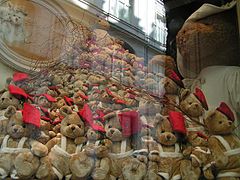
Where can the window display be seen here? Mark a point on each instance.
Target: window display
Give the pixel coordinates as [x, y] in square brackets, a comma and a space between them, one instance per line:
[90, 109]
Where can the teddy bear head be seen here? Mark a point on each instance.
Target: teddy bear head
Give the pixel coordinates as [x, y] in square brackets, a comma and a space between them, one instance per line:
[92, 134]
[122, 125]
[171, 83]
[8, 99]
[163, 132]
[220, 121]
[71, 126]
[193, 104]
[160, 63]
[16, 128]
[113, 127]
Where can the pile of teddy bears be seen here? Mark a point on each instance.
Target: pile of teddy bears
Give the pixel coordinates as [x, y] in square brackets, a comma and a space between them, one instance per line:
[107, 116]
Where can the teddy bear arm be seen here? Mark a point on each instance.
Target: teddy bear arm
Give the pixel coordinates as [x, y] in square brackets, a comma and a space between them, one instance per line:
[1, 139]
[52, 143]
[80, 140]
[217, 151]
[38, 148]
[187, 151]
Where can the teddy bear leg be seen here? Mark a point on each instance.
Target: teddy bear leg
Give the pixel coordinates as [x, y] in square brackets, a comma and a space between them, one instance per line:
[6, 163]
[134, 169]
[152, 171]
[208, 174]
[189, 172]
[228, 178]
[81, 165]
[45, 170]
[26, 165]
[101, 172]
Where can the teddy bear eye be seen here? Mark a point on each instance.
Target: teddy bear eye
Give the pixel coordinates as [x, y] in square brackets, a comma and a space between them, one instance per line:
[220, 122]
[68, 124]
[24, 126]
[109, 126]
[163, 131]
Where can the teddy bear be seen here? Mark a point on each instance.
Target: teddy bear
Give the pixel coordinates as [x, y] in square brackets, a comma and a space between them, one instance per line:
[165, 154]
[8, 99]
[66, 155]
[20, 154]
[161, 63]
[197, 157]
[148, 109]
[223, 143]
[119, 127]
[170, 87]
[193, 105]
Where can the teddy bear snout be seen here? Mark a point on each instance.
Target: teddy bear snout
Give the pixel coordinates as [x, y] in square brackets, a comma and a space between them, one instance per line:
[168, 136]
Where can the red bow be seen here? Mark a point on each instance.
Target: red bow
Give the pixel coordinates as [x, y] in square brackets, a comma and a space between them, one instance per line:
[225, 109]
[68, 100]
[130, 122]
[200, 96]
[87, 115]
[16, 91]
[31, 115]
[18, 76]
[177, 121]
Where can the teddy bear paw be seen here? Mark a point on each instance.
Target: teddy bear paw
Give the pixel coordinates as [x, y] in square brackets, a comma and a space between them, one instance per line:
[81, 165]
[99, 173]
[142, 158]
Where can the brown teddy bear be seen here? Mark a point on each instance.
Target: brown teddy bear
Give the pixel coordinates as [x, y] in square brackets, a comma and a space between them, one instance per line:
[165, 153]
[170, 88]
[120, 126]
[160, 63]
[224, 145]
[194, 106]
[8, 99]
[66, 154]
[198, 156]
[98, 148]
[19, 153]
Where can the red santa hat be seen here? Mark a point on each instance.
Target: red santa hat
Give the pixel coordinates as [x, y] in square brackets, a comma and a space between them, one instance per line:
[174, 76]
[18, 76]
[130, 122]
[177, 121]
[225, 109]
[200, 96]
[87, 115]
[68, 100]
[31, 115]
[83, 96]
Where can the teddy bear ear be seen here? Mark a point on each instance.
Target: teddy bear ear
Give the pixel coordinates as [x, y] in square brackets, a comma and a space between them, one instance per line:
[65, 110]
[184, 93]
[11, 110]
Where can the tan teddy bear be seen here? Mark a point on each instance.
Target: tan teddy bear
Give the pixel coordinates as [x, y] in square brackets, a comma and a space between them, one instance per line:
[160, 63]
[165, 154]
[119, 129]
[198, 157]
[194, 106]
[66, 154]
[224, 145]
[170, 88]
[8, 99]
[19, 153]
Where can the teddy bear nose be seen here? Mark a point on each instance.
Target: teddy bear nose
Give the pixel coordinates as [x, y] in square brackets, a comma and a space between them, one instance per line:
[15, 129]
[111, 131]
[230, 123]
[168, 137]
[73, 127]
